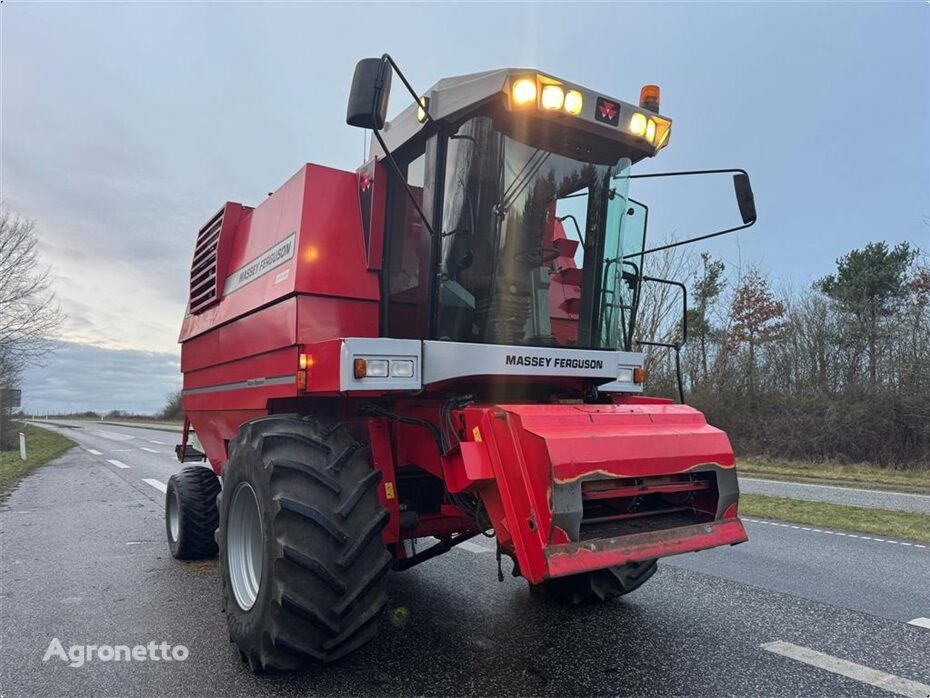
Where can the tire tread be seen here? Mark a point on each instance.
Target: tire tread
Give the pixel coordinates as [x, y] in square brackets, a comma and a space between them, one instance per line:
[327, 589]
[197, 488]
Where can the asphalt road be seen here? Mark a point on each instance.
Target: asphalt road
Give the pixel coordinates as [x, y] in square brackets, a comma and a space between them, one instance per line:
[873, 499]
[792, 612]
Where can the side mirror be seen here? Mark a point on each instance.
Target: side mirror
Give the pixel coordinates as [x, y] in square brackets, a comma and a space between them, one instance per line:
[368, 99]
[744, 197]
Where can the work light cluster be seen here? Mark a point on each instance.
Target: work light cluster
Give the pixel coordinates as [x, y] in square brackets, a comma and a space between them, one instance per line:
[551, 97]
[536, 91]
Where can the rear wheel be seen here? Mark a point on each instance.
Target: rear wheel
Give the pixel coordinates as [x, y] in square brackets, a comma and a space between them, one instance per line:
[191, 516]
[598, 585]
[301, 555]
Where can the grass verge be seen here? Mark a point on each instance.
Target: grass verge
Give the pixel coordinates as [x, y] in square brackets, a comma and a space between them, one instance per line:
[894, 524]
[858, 475]
[41, 447]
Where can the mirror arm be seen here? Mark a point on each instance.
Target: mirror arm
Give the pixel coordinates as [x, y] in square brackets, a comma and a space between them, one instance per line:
[403, 180]
[403, 79]
[387, 153]
[689, 173]
[690, 240]
[686, 173]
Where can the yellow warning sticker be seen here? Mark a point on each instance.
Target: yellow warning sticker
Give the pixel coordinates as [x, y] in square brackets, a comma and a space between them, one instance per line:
[476, 432]
[389, 490]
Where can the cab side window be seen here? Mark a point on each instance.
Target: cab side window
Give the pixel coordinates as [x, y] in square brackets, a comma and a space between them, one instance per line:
[408, 256]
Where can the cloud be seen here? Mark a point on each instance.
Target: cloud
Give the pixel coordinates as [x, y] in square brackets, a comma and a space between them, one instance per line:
[79, 377]
[126, 125]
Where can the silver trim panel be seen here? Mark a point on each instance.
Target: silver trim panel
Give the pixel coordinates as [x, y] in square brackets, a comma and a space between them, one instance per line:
[447, 360]
[379, 348]
[271, 258]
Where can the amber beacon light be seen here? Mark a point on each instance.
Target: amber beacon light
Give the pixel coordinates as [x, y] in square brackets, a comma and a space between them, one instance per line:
[649, 98]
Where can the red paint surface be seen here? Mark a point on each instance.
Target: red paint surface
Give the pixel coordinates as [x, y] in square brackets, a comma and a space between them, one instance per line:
[575, 558]
[513, 456]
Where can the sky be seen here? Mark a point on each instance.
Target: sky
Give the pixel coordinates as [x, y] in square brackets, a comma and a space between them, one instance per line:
[126, 125]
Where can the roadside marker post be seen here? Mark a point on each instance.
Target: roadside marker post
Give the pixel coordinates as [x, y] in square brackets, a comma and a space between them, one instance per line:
[22, 445]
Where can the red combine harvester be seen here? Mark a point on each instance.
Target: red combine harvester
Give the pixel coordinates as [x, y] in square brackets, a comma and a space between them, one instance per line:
[436, 346]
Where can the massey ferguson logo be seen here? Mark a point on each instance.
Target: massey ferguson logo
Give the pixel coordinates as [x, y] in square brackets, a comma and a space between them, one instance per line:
[607, 112]
[261, 265]
[553, 362]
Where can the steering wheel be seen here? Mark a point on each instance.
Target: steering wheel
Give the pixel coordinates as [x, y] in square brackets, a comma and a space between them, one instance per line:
[537, 257]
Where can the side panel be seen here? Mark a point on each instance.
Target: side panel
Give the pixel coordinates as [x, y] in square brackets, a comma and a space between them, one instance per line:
[297, 273]
[305, 238]
[320, 318]
[258, 279]
[216, 429]
[332, 259]
[244, 384]
[372, 195]
[272, 328]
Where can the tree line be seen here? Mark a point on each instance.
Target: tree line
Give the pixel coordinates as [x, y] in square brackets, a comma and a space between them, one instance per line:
[836, 370]
[29, 313]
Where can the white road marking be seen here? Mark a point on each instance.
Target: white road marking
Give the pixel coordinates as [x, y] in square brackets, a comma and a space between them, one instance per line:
[857, 672]
[835, 487]
[472, 547]
[150, 450]
[160, 443]
[118, 463]
[920, 622]
[837, 533]
[93, 451]
[113, 436]
[160, 486]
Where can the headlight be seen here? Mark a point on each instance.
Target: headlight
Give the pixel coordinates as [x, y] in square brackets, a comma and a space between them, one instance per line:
[663, 131]
[638, 124]
[573, 102]
[524, 91]
[402, 368]
[553, 97]
[383, 368]
[371, 368]
[651, 131]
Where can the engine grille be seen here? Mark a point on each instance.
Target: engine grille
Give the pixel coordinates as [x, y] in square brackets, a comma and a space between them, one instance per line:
[204, 267]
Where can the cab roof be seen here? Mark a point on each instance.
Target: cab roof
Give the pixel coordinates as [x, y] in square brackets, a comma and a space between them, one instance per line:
[452, 100]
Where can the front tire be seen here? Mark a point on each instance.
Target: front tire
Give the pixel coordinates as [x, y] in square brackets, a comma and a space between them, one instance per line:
[191, 516]
[597, 586]
[301, 556]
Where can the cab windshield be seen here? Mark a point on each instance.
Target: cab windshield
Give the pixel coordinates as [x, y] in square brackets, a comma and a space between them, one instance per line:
[532, 245]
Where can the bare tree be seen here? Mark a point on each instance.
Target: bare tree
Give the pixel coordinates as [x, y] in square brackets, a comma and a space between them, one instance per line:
[756, 318]
[29, 314]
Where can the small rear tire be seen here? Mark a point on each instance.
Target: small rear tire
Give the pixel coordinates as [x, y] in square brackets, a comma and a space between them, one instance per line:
[597, 586]
[191, 514]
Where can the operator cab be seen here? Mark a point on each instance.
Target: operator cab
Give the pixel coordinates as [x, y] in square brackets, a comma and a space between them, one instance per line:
[523, 179]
